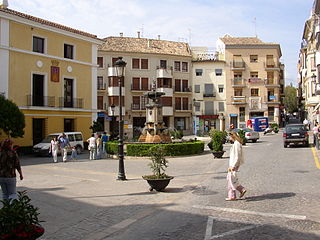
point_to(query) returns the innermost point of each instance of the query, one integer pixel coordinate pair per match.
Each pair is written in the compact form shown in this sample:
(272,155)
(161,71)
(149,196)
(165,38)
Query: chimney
(138,34)
(4,4)
(121,34)
(158,37)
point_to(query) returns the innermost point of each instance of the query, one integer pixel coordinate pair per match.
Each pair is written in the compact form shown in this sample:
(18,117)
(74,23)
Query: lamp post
(120,66)
(112,106)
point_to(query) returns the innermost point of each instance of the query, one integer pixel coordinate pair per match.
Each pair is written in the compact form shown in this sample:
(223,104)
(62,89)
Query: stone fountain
(155,130)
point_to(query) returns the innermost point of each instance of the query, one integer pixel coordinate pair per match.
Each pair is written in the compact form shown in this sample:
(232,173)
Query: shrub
(217,138)
(112,147)
(158,163)
(242,135)
(171,149)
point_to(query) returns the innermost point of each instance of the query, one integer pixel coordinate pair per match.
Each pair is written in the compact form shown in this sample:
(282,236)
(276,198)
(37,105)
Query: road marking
(315,156)
(264,214)
(209,229)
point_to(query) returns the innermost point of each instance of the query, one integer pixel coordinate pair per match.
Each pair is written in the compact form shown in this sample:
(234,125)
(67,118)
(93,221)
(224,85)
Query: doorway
(68,92)
(38,130)
(37,90)
(234,121)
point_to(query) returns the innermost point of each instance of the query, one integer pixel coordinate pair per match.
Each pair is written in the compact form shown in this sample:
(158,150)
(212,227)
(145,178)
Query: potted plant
(216,143)
(275,127)
(19,219)
(159,180)
(242,135)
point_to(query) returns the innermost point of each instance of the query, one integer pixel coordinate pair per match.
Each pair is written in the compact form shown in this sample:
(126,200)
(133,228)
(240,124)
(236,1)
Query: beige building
(254,79)
(209,91)
(164,64)
(309,67)
(49,71)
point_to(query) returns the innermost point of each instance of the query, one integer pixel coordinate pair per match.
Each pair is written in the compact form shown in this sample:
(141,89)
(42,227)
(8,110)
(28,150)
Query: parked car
(75,139)
(250,134)
(295,134)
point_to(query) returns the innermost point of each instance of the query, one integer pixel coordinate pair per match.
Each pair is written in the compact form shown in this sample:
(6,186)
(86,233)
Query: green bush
(242,135)
(112,147)
(217,139)
(171,149)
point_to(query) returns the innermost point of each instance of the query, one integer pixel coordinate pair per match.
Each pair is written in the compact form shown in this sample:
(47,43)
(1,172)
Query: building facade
(309,67)
(209,91)
(254,79)
(164,65)
(50,72)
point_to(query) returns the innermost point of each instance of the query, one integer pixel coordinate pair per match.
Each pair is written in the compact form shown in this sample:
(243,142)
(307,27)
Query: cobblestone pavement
(83,200)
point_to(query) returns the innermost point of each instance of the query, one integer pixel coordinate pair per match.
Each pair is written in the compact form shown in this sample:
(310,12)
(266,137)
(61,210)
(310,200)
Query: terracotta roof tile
(228,40)
(45,22)
(145,45)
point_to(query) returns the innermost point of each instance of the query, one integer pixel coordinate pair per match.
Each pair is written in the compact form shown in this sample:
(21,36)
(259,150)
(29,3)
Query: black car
(295,134)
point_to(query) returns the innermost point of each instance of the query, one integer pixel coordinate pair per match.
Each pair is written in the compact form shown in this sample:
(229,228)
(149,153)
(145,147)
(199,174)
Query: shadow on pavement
(270,196)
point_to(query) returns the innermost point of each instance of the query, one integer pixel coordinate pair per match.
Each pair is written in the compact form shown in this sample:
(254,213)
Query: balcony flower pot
(19,219)
(159,180)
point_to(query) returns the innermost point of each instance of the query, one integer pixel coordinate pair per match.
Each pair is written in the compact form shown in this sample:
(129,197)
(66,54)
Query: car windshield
(48,138)
(296,128)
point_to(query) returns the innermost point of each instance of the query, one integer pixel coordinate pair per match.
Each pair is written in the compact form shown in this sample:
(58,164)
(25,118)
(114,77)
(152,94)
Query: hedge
(172,149)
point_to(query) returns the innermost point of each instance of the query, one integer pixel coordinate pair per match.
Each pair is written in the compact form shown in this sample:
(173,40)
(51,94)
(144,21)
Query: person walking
(9,163)
(105,139)
(315,131)
(92,147)
(236,159)
(74,153)
(99,146)
(64,145)
(54,148)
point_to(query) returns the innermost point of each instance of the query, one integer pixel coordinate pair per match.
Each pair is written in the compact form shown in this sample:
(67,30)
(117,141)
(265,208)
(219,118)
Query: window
(185,87)
(199,72)
(238,92)
(114,82)
(38,44)
(180,123)
(221,106)
(270,61)
(177,85)
(242,113)
(70,137)
(218,72)
(68,51)
(135,102)
(135,63)
(135,83)
(253,58)
(197,106)
(271,113)
(254,74)
(164,82)
(166,101)
(144,64)
(254,92)
(100,84)
(163,64)
(114,61)
(144,83)
(100,102)
(78,137)
(184,67)
(208,90)
(177,103)
(100,62)
(177,66)
(197,88)
(208,108)
(237,76)
(68,125)
(185,103)
(220,87)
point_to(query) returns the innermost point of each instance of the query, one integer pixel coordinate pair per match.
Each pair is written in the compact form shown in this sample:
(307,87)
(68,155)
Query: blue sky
(201,22)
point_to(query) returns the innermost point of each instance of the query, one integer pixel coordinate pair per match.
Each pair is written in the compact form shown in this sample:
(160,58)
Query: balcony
(164,72)
(272,100)
(139,88)
(167,111)
(40,101)
(271,65)
(114,91)
(138,107)
(66,102)
(256,80)
(238,82)
(238,100)
(255,104)
(102,86)
(167,90)
(271,83)
(183,90)
(187,107)
(112,72)
(116,111)
(238,65)
(209,95)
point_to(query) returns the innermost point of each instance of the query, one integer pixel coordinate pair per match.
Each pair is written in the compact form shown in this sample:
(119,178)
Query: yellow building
(254,79)
(49,71)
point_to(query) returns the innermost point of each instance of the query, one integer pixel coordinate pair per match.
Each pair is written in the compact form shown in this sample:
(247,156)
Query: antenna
(141,30)
(255,26)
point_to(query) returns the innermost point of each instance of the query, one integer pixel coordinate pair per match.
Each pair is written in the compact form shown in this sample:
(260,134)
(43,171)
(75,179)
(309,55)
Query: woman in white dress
(54,148)
(236,159)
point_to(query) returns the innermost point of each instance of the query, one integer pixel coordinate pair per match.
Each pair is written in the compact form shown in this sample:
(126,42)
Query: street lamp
(112,106)
(120,67)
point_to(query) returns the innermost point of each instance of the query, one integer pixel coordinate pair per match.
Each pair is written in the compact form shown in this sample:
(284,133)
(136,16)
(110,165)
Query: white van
(75,139)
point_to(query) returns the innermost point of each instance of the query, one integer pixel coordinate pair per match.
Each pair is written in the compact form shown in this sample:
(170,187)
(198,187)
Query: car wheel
(285,145)
(254,140)
(79,149)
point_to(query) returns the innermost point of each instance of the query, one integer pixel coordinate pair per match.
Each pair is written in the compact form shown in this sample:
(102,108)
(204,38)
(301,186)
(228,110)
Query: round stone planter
(218,154)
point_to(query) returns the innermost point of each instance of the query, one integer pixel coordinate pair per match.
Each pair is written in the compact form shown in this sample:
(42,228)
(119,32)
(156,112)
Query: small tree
(158,163)
(12,121)
(96,127)
(290,99)
(216,143)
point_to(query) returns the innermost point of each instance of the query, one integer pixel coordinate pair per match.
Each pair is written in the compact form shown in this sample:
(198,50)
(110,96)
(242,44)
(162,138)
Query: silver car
(251,135)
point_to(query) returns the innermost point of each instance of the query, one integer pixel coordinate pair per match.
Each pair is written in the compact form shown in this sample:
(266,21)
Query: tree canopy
(12,121)
(290,99)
